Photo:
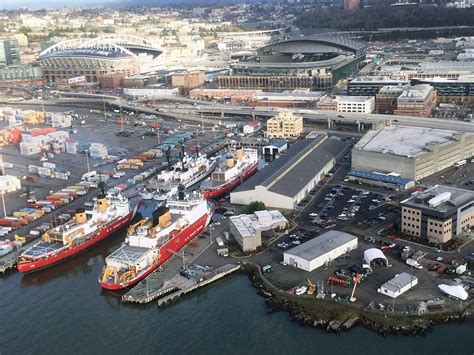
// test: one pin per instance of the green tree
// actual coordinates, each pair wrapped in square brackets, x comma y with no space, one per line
[252,207]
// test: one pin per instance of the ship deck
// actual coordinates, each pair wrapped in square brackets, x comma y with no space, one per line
[127,254]
[42,248]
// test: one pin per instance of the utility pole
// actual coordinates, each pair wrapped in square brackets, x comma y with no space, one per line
[3,204]
[87,161]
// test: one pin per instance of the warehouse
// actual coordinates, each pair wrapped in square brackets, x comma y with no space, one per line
[320,250]
[412,152]
[289,179]
[401,283]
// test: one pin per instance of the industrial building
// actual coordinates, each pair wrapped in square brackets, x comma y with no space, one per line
[289,179]
[389,181]
[401,283]
[418,100]
[340,103]
[371,85]
[320,250]
[412,152]
[284,125]
[274,149]
[438,213]
[99,56]
[21,75]
[247,228]
[312,63]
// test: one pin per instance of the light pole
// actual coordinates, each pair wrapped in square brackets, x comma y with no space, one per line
[87,160]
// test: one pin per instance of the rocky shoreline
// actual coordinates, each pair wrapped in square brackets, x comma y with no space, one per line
[337,317]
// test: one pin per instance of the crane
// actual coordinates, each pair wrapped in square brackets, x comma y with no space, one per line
[132,228]
[356,279]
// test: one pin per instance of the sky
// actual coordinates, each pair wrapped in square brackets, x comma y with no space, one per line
[41,4]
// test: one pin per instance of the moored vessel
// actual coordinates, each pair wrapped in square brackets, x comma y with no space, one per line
[109,214]
[154,240]
[237,166]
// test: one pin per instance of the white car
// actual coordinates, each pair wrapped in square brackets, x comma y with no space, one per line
[439,258]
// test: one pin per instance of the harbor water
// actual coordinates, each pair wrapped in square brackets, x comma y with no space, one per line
[64,310]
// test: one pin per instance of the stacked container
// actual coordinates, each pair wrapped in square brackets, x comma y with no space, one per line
[98,151]
[71,146]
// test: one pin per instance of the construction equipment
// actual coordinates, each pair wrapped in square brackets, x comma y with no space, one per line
[357,278]
[134,226]
[311,287]
[20,239]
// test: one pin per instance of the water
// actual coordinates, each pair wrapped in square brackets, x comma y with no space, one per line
[64,310]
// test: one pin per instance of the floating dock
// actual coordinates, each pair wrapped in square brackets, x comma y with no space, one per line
[7,262]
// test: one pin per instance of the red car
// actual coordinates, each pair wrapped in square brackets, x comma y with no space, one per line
[393,237]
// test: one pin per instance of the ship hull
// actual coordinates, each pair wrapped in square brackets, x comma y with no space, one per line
[68,253]
[172,246]
[229,185]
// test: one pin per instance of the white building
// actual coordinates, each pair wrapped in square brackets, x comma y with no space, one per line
[398,285]
[251,127]
[320,250]
[357,104]
[247,228]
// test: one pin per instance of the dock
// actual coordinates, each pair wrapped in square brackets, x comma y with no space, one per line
[209,277]
[8,262]
[161,281]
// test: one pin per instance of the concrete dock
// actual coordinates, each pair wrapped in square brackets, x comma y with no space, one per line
[209,277]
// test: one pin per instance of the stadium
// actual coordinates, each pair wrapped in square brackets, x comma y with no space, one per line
[101,56]
[313,62]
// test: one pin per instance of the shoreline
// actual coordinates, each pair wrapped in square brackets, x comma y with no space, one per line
[337,317]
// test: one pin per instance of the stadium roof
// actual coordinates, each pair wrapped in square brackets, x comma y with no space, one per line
[292,171]
[88,52]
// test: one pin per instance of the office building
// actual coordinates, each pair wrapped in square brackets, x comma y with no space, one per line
[386,99]
[371,85]
[418,100]
[21,75]
[438,213]
[448,90]
[5,52]
[284,125]
[247,229]
[320,250]
[411,152]
[354,104]
[188,80]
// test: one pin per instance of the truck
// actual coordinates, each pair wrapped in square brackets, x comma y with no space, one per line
[219,242]
[414,263]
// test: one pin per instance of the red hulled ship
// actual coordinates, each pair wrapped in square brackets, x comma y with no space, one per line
[231,173]
[109,214]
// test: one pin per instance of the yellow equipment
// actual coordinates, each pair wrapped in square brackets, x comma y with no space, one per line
[132,228]
[311,287]
[20,239]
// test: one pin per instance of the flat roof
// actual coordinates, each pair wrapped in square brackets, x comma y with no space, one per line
[420,91]
[295,167]
[376,176]
[458,198]
[248,224]
[406,141]
[399,281]
[321,245]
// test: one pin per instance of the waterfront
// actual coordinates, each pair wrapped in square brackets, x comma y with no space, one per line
[64,310]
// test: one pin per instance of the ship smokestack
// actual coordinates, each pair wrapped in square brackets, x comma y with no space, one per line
[229,162]
[181,192]
[101,203]
[239,153]
[161,216]
[80,216]
[168,157]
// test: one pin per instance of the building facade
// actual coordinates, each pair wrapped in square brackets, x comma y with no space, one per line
[419,100]
[386,99]
[371,85]
[188,80]
[247,229]
[354,104]
[438,213]
[284,125]
[412,152]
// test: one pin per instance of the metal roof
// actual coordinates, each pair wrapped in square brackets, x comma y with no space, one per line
[370,175]
[292,171]
[399,281]
[321,245]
